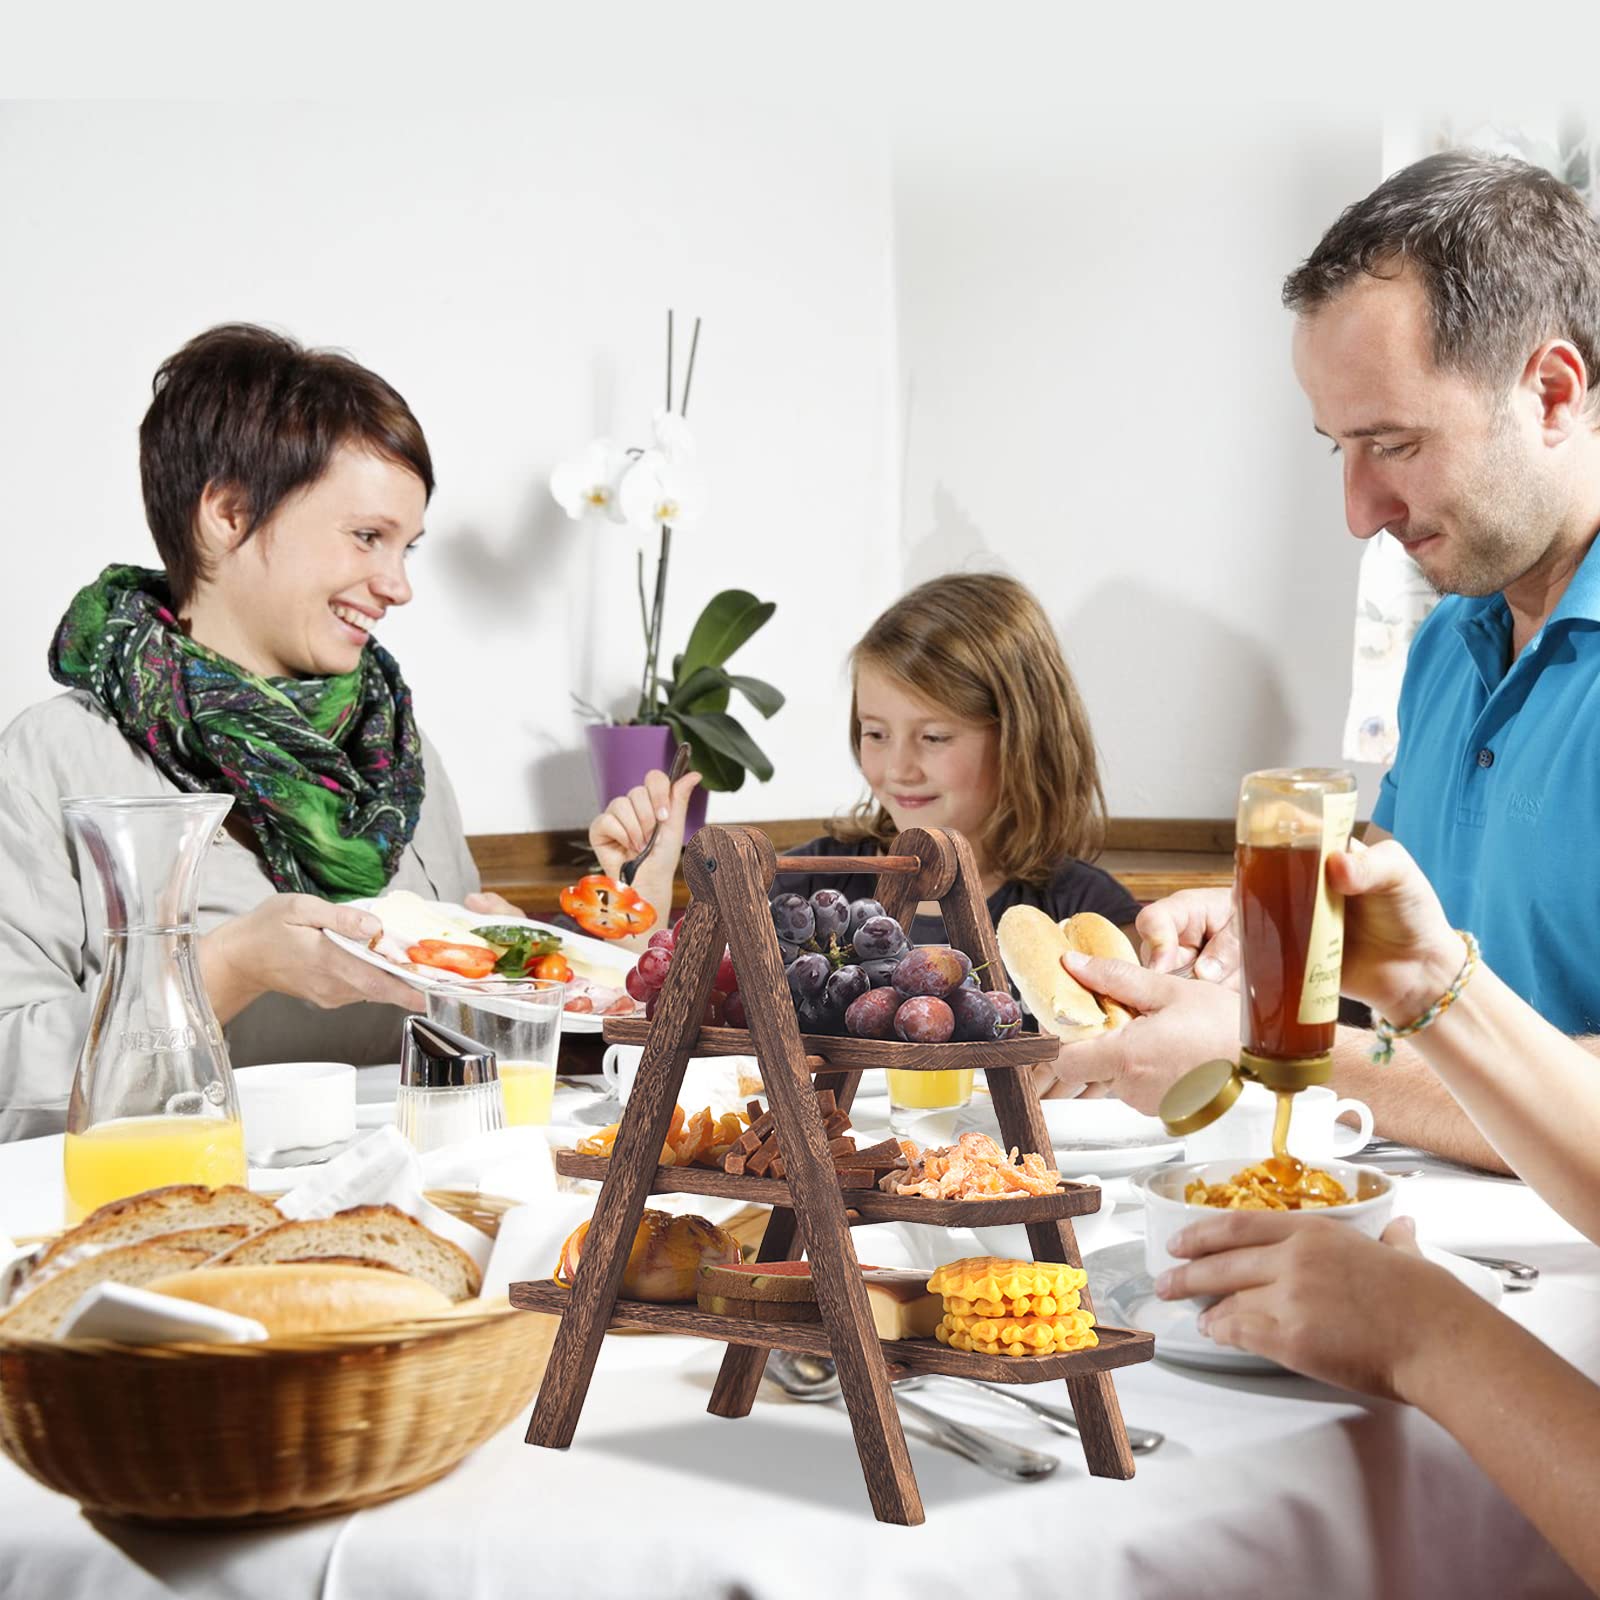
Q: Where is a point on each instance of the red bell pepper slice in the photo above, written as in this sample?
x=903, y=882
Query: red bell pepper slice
x=603, y=907
x=465, y=960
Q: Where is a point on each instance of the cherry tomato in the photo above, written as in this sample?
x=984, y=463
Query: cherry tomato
x=556, y=967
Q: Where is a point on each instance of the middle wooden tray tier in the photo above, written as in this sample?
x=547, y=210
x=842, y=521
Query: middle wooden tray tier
x=1117, y=1347
x=847, y=1054
x=867, y=1205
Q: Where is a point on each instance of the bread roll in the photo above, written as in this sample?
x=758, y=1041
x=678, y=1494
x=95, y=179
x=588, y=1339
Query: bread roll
x=1095, y=935
x=1032, y=945
x=308, y=1297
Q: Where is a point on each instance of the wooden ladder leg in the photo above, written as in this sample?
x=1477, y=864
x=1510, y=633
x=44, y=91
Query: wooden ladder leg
x=739, y=1377
x=634, y=1159
x=1094, y=1398
x=733, y=876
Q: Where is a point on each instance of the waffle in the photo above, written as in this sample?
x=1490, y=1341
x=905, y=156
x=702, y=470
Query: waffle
x=997, y=1281
x=1018, y=1336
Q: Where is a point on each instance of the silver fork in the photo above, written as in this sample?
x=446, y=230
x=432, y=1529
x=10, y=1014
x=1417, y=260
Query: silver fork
x=1141, y=1441
x=680, y=765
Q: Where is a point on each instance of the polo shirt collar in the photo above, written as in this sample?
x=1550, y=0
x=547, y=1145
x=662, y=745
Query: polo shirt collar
x=1581, y=602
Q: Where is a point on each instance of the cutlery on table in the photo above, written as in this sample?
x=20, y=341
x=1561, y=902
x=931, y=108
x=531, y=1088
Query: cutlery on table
x=1516, y=1277
x=813, y=1379
x=680, y=765
x=1141, y=1441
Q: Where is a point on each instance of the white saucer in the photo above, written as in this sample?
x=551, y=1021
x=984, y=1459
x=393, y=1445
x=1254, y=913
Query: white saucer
x=1124, y=1297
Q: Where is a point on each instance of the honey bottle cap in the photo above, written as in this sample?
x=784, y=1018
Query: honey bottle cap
x=1200, y=1096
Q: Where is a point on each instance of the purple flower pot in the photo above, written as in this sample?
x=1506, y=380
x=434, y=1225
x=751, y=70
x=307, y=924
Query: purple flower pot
x=620, y=757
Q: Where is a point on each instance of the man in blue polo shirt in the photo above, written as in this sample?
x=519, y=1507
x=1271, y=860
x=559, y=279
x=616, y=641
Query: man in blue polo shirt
x=1448, y=338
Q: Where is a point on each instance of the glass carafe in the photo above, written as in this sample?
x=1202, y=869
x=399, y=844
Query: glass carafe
x=153, y=1100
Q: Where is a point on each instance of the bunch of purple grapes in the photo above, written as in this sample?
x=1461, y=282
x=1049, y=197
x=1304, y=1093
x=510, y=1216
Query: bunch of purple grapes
x=852, y=970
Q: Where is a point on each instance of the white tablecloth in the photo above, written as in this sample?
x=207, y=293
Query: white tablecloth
x=1264, y=1482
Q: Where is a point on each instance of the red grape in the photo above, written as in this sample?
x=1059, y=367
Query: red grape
x=635, y=984
x=661, y=939
x=654, y=965
x=733, y=1012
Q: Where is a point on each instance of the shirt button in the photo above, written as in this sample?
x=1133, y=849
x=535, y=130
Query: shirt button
x=1486, y=757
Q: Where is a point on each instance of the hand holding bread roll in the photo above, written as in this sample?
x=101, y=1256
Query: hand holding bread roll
x=1032, y=945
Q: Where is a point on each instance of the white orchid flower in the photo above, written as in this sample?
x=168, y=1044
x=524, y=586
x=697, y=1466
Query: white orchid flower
x=657, y=491
x=673, y=438
x=591, y=482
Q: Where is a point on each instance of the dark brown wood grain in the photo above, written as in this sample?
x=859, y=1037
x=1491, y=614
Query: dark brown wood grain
x=739, y=1376
x=872, y=1205
x=1118, y=1347
x=867, y=866
x=634, y=1158
x=1022, y=1124
x=725, y=865
x=729, y=871
x=856, y=1054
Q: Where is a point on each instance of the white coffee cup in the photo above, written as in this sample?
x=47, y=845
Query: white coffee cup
x=1244, y=1131
x=298, y=1106
x=707, y=1080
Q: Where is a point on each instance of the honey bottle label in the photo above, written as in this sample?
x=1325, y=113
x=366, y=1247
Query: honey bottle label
x=1319, y=993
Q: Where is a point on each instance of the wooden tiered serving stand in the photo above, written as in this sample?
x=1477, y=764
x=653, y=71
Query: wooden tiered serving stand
x=729, y=871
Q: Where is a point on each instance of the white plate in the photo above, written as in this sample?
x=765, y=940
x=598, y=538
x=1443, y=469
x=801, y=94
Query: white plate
x=1124, y=1297
x=599, y=961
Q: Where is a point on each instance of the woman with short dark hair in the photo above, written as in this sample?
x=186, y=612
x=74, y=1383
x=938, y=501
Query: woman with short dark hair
x=285, y=488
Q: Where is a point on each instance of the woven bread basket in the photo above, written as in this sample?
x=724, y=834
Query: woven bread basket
x=202, y=1435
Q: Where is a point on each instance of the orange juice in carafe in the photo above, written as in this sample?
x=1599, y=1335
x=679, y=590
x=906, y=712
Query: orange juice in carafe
x=130, y=1154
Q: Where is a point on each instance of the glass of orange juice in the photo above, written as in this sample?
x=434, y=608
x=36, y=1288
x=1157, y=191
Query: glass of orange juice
x=521, y=1023
x=911, y=1094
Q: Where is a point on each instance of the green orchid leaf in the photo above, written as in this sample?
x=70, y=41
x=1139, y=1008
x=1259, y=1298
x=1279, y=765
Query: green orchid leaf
x=705, y=689
x=727, y=737
x=727, y=622
x=761, y=695
x=716, y=771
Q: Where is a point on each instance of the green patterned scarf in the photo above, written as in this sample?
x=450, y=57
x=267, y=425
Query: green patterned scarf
x=327, y=772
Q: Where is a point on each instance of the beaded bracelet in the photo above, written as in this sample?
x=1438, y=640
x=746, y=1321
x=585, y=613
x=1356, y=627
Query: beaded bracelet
x=1385, y=1033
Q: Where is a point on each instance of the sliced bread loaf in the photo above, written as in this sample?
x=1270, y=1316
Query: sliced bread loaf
x=382, y=1235
x=38, y=1313
x=159, y=1211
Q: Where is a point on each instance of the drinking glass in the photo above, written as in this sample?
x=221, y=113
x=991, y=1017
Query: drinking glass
x=521, y=1023
x=914, y=1094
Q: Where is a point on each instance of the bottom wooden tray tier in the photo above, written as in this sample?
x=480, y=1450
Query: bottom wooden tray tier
x=1118, y=1347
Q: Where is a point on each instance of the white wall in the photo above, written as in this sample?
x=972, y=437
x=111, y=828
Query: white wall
x=1098, y=398
x=1091, y=381
x=509, y=273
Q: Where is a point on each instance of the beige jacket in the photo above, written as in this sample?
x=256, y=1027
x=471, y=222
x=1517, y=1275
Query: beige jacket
x=52, y=927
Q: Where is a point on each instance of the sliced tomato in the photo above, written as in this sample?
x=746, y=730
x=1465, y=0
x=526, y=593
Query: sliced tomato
x=465, y=960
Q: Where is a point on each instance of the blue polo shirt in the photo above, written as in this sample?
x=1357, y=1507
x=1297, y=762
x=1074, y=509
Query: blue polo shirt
x=1496, y=789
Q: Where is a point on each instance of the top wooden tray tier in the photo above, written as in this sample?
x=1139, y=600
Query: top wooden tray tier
x=846, y=1054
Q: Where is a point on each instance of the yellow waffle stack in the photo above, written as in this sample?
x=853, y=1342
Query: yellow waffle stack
x=1012, y=1308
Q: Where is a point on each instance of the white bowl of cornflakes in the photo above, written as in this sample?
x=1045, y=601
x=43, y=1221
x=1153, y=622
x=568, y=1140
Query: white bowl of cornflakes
x=1368, y=1201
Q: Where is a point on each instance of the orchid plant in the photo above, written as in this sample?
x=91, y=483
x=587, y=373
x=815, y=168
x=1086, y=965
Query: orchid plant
x=658, y=490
